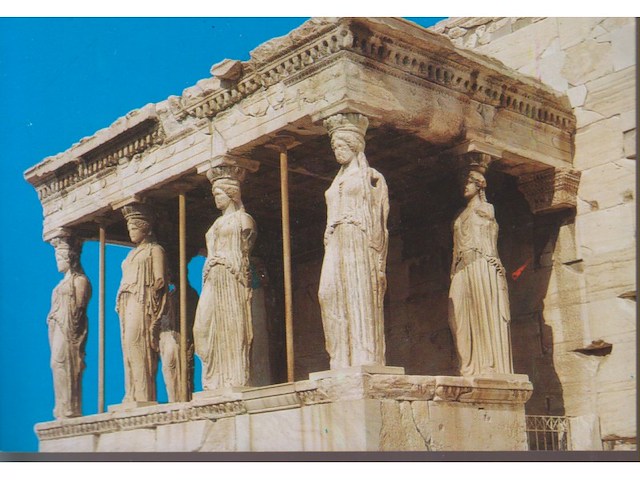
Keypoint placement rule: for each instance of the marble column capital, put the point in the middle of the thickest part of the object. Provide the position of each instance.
(475, 160)
(551, 189)
(228, 164)
(59, 234)
(346, 122)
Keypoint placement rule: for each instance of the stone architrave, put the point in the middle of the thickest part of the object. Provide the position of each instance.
(140, 304)
(479, 315)
(223, 330)
(169, 338)
(67, 322)
(353, 278)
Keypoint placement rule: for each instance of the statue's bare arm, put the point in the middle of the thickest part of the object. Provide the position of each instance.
(249, 233)
(82, 289)
(158, 258)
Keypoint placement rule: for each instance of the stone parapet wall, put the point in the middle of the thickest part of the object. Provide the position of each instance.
(590, 303)
(354, 409)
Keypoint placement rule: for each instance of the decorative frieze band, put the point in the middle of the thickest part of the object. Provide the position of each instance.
(492, 89)
(550, 190)
(264, 77)
(503, 389)
(359, 37)
(95, 425)
(94, 163)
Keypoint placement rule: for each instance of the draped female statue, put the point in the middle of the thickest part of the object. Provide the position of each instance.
(140, 304)
(478, 298)
(353, 280)
(222, 329)
(67, 322)
(169, 339)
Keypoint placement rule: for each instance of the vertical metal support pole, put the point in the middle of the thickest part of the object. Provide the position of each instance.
(101, 311)
(183, 296)
(286, 256)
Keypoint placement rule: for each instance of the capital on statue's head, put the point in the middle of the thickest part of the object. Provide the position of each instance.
(231, 173)
(138, 211)
(347, 122)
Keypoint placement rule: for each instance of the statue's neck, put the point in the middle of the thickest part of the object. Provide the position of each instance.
(474, 201)
(350, 167)
(231, 208)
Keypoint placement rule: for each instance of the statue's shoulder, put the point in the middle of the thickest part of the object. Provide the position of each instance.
(80, 279)
(375, 173)
(81, 282)
(247, 221)
(377, 179)
(156, 247)
(486, 209)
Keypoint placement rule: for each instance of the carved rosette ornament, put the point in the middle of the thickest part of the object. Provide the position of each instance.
(353, 278)
(67, 322)
(550, 190)
(223, 325)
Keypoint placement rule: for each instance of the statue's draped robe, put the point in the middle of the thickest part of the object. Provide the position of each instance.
(222, 329)
(67, 322)
(478, 298)
(170, 342)
(353, 281)
(140, 306)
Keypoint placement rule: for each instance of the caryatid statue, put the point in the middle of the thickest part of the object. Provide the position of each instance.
(140, 303)
(67, 323)
(353, 278)
(478, 298)
(223, 330)
(170, 335)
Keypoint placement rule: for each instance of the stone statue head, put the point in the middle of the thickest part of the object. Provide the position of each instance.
(139, 219)
(347, 132)
(347, 146)
(474, 184)
(225, 185)
(68, 249)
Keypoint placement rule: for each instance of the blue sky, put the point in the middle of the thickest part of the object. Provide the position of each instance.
(61, 80)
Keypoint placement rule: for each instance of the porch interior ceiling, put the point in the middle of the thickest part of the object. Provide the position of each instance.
(408, 163)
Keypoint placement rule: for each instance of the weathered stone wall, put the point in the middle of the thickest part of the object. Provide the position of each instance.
(590, 301)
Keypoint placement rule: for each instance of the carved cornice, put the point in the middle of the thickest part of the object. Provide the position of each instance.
(277, 67)
(98, 424)
(550, 190)
(100, 161)
(451, 393)
(455, 72)
(503, 389)
(312, 396)
(462, 75)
